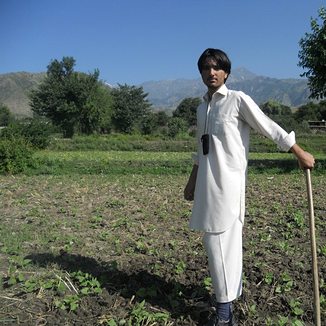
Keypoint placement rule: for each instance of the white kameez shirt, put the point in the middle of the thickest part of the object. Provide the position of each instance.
(220, 186)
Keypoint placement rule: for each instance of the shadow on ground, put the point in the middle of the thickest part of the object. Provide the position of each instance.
(181, 301)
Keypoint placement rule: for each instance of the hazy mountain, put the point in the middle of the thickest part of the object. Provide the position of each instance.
(167, 94)
(14, 89)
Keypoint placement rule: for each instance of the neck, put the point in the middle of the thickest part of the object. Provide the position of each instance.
(210, 92)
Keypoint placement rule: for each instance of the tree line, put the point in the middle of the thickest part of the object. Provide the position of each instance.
(72, 102)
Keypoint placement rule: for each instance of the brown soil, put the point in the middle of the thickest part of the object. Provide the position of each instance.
(131, 233)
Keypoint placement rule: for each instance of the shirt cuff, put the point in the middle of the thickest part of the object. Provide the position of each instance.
(286, 143)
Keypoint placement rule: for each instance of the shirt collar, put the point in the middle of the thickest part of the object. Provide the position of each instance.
(223, 90)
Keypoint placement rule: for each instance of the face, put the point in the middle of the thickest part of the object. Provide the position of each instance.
(213, 77)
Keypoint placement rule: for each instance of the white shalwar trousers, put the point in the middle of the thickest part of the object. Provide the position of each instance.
(224, 251)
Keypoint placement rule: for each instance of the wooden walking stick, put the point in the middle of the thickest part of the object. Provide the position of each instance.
(313, 249)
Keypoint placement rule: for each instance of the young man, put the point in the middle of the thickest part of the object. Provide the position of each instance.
(217, 181)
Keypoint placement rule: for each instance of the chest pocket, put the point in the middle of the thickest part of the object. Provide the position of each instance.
(220, 123)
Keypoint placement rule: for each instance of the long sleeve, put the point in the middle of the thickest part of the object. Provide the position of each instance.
(255, 117)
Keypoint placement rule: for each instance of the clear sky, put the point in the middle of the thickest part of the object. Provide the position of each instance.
(133, 41)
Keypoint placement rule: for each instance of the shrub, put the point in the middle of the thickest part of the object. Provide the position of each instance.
(176, 126)
(36, 131)
(15, 155)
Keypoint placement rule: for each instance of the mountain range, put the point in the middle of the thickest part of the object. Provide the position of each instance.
(167, 94)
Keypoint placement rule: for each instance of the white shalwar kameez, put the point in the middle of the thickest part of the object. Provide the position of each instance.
(219, 199)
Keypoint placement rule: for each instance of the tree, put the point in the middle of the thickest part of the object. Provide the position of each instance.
(162, 118)
(175, 126)
(6, 117)
(72, 100)
(155, 122)
(313, 56)
(129, 108)
(311, 111)
(186, 110)
(272, 108)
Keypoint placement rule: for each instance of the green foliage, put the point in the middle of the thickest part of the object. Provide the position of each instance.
(124, 142)
(176, 126)
(155, 123)
(187, 110)
(6, 116)
(272, 108)
(312, 55)
(74, 101)
(70, 303)
(281, 114)
(130, 108)
(311, 111)
(141, 316)
(36, 131)
(149, 124)
(15, 155)
(87, 283)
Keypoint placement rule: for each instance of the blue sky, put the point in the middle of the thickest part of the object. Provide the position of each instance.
(133, 41)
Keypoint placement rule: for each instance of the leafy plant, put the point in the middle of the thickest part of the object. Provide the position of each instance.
(299, 219)
(268, 278)
(141, 316)
(285, 284)
(208, 283)
(180, 268)
(15, 155)
(296, 307)
(87, 283)
(70, 302)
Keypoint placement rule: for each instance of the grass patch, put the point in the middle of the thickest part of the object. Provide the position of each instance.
(315, 143)
(122, 142)
(123, 162)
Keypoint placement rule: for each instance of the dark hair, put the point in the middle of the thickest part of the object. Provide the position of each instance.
(221, 58)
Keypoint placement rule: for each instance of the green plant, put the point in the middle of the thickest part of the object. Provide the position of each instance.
(252, 310)
(322, 301)
(86, 283)
(299, 219)
(180, 268)
(70, 302)
(296, 307)
(285, 284)
(268, 278)
(141, 316)
(15, 155)
(322, 250)
(208, 283)
(282, 320)
(96, 221)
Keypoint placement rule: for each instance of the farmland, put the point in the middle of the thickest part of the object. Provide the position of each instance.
(102, 238)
